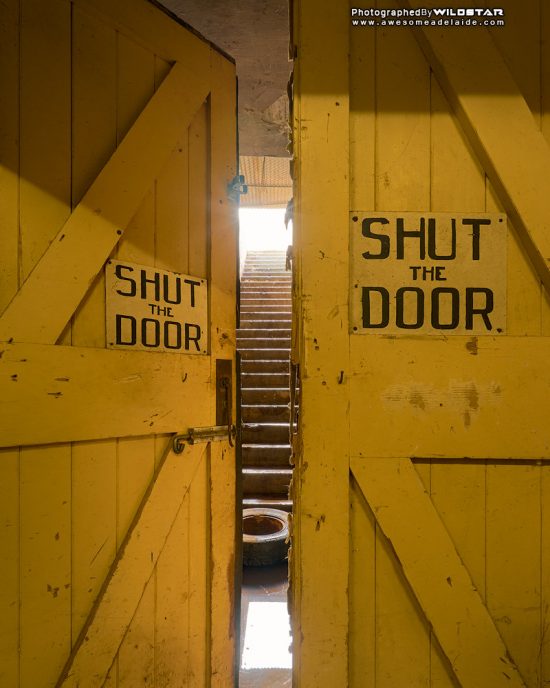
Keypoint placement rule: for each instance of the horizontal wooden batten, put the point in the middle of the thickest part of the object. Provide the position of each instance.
(84, 394)
(468, 396)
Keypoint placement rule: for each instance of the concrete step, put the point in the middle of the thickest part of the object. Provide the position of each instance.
(265, 433)
(263, 395)
(267, 366)
(265, 354)
(271, 304)
(266, 481)
(260, 279)
(281, 343)
(266, 455)
(265, 379)
(265, 413)
(266, 272)
(267, 503)
(266, 313)
(263, 333)
(260, 323)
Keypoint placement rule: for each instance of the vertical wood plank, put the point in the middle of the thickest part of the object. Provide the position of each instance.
(198, 231)
(136, 82)
(172, 602)
(457, 491)
(10, 572)
(136, 457)
(362, 118)
(513, 560)
(320, 605)
(9, 151)
(198, 547)
(223, 261)
(93, 524)
(136, 85)
(94, 140)
(520, 43)
(458, 494)
(45, 168)
(545, 576)
(402, 183)
(136, 655)
(544, 16)
(403, 122)
(45, 563)
(9, 276)
(362, 162)
(45, 125)
(362, 584)
(135, 466)
(172, 190)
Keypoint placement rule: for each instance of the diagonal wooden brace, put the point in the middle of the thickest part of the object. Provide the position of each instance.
(498, 124)
(112, 613)
(436, 574)
(47, 300)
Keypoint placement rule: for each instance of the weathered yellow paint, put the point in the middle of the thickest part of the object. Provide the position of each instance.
(321, 114)
(515, 164)
(81, 246)
(222, 475)
(437, 575)
(146, 536)
(9, 543)
(474, 390)
(78, 393)
(93, 75)
(456, 134)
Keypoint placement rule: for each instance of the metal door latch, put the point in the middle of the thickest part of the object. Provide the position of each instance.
(213, 433)
(237, 187)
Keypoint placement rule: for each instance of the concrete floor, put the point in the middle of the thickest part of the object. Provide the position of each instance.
(264, 584)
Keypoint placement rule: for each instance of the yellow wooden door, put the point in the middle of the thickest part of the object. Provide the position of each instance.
(421, 532)
(117, 143)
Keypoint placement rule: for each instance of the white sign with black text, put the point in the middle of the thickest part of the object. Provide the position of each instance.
(149, 309)
(428, 273)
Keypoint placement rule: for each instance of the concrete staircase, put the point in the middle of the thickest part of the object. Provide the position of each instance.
(264, 343)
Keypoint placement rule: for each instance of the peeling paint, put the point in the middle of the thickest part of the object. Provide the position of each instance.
(416, 399)
(471, 346)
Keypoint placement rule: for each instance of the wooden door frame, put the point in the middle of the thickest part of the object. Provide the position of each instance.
(515, 165)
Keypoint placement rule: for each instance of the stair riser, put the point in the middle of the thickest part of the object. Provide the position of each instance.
(265, 434)
(266, 483)
(268, 335)
(265, 396)
(269, 313)
(255, 301)
(264, 354)
(265, 366)
(257, 324)
(260, 343)
(268, 413)
(265, 380)
(266, 457)
(277, 460)
(259, 503)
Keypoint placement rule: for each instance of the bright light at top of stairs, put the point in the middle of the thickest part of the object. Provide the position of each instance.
(263, 229)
